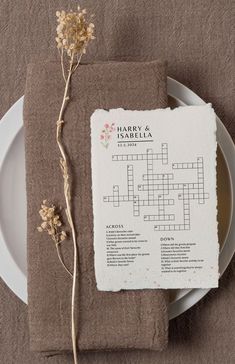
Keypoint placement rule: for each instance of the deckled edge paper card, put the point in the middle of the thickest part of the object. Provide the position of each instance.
(154, 198)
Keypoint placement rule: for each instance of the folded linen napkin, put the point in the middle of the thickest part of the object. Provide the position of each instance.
(106, 320)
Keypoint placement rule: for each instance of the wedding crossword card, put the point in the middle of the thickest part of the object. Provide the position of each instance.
(154, 198)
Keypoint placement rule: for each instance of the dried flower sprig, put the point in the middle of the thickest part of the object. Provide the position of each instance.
(51, 224)
(74, 32)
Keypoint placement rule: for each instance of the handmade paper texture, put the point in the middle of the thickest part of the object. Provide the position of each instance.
(154, 198)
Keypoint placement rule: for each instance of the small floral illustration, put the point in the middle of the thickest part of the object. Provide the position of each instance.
(105, 135)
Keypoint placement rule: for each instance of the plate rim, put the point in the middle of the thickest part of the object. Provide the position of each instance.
(228, 249)
(14, 278)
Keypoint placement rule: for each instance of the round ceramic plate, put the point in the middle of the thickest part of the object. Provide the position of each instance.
(13, 263)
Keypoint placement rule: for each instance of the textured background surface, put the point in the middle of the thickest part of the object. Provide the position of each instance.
(197, 38)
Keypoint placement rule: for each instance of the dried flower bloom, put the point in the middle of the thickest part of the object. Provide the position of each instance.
(74, 31)
(51, 222)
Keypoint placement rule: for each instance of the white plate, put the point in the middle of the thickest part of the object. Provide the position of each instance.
(13, 264)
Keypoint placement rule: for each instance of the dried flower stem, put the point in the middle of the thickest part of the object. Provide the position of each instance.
(61, 259)
(67, 194)
(74, 33)
(62, 64)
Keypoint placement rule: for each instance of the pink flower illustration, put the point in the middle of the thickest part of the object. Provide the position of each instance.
(105, 135)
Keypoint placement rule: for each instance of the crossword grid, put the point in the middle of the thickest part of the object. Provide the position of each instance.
(163, 156)
(158, 187)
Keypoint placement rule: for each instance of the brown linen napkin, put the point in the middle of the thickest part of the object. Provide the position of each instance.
(136, 319)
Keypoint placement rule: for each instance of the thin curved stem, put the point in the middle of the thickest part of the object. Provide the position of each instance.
(62, 64)
(61, 259)
(78, 61)
(64, 166)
